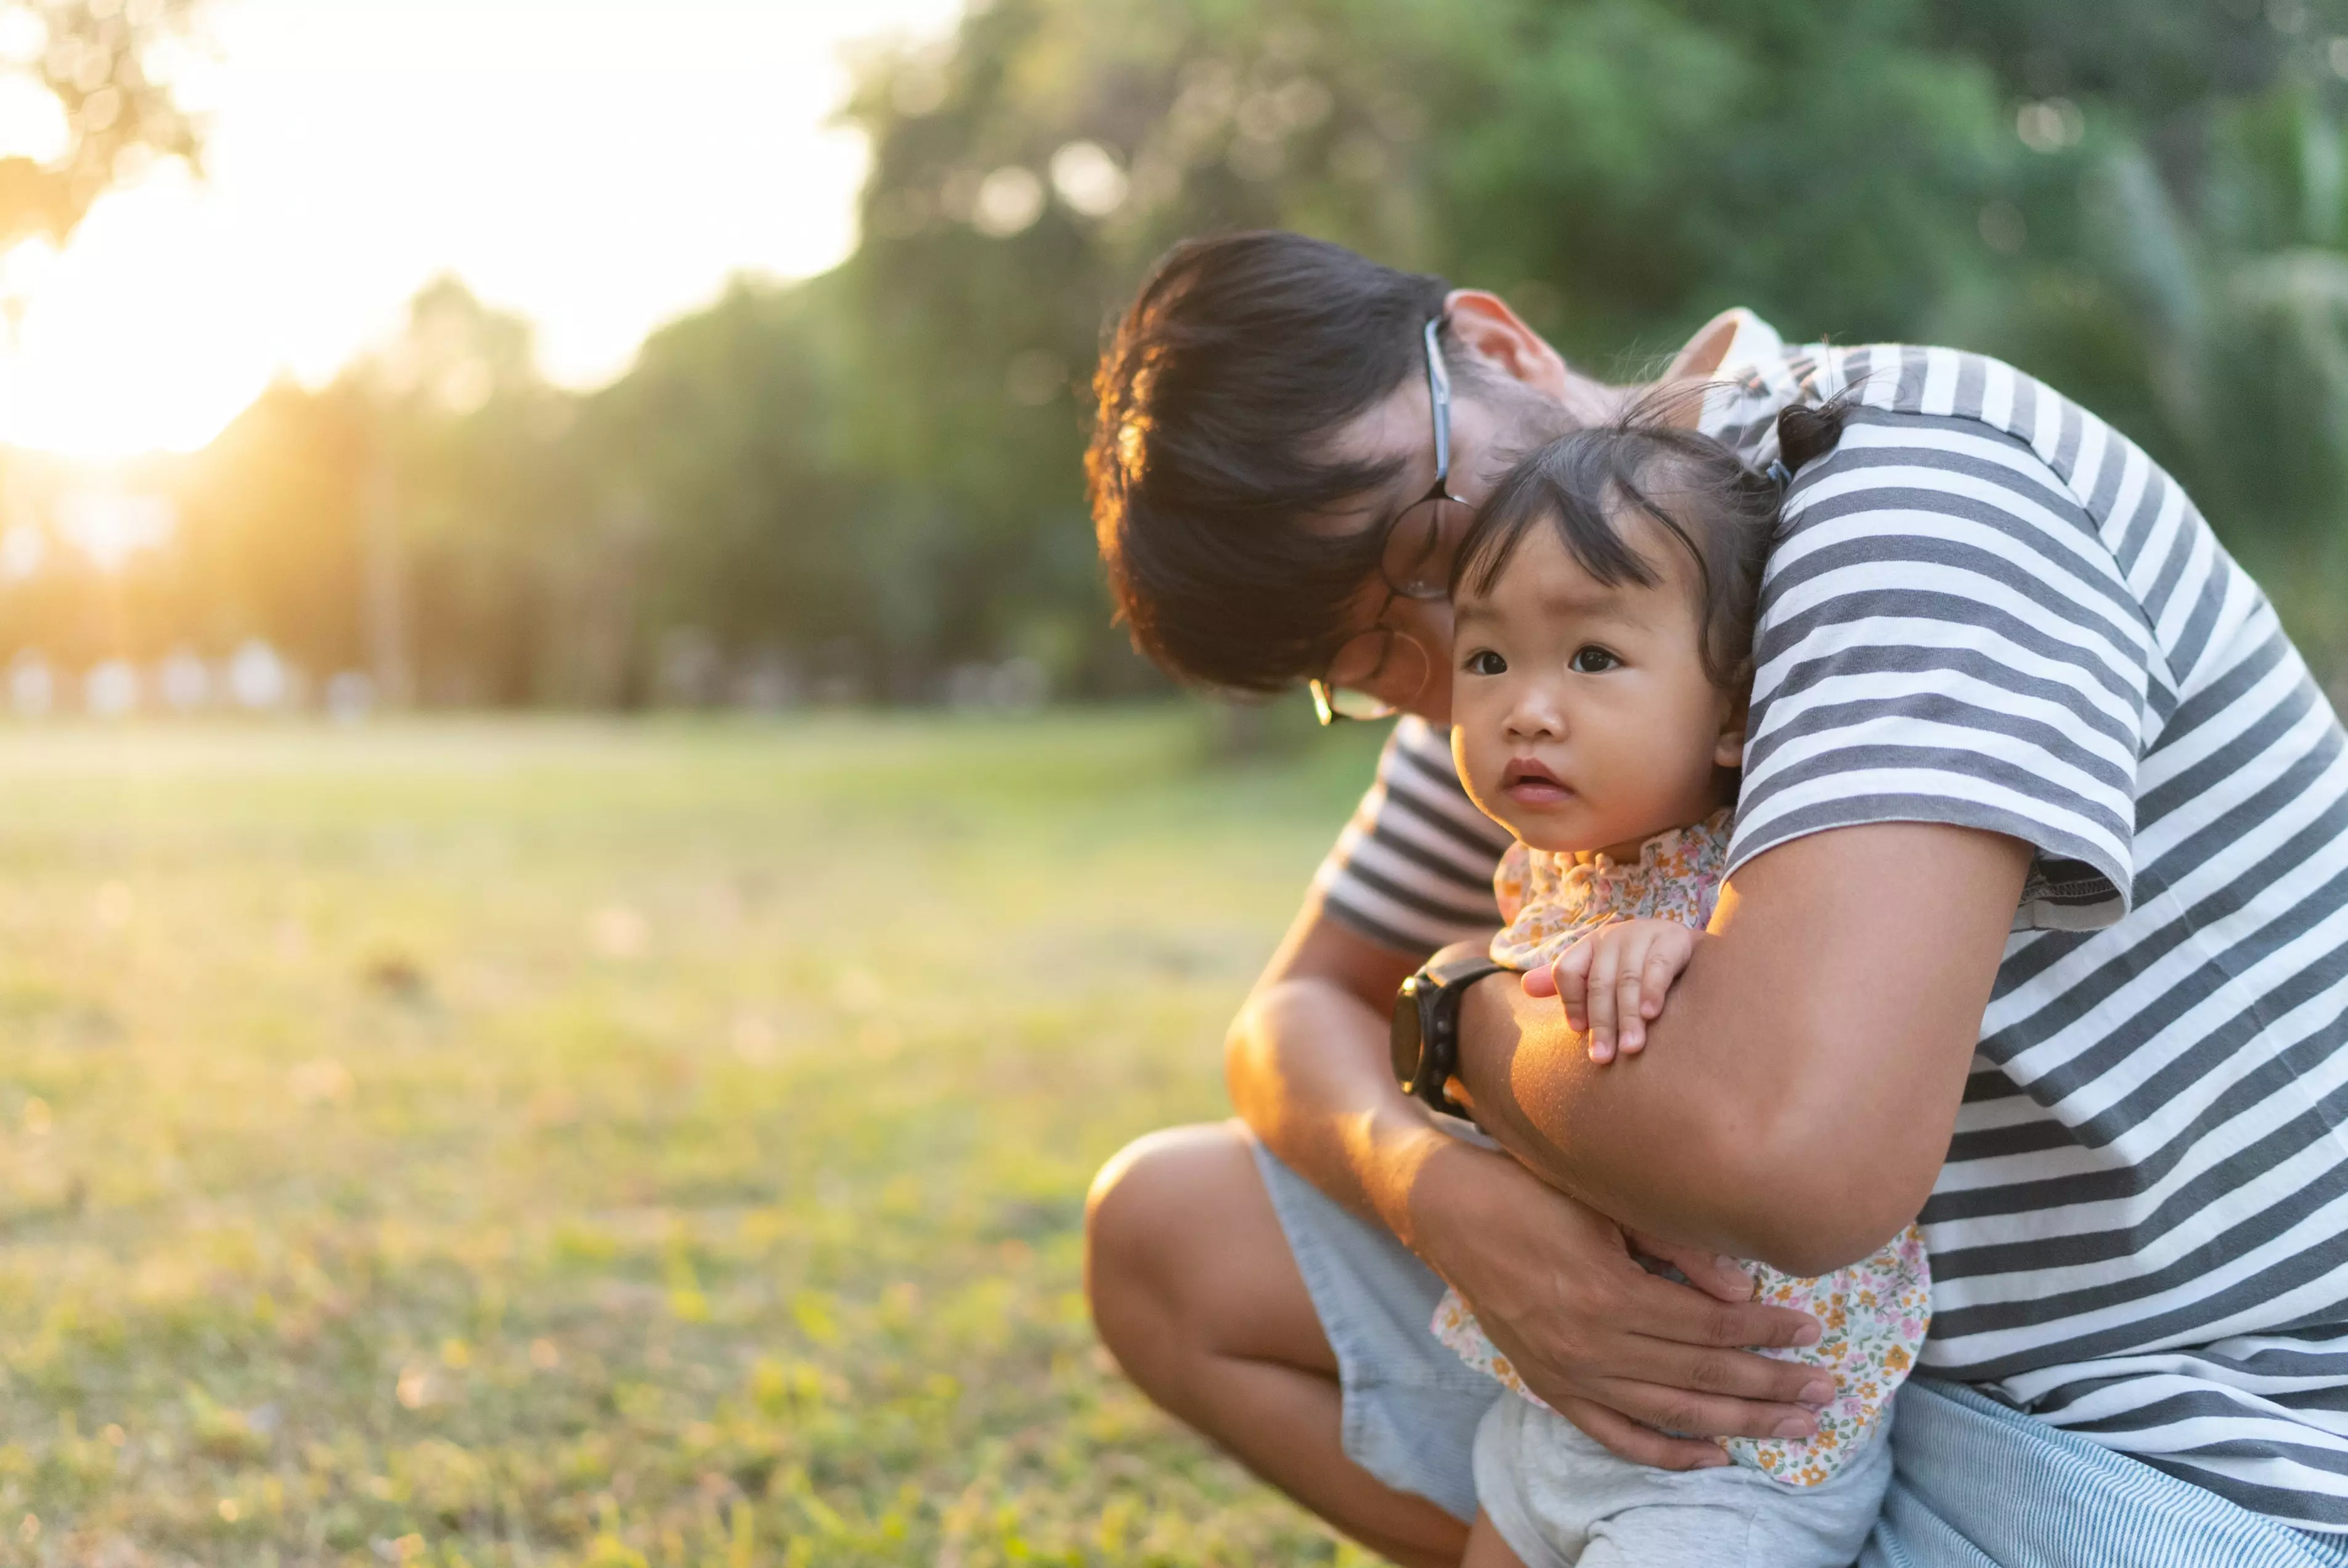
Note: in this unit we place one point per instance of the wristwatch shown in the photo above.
(1425, 1033)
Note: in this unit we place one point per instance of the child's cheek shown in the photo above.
(1478, 758)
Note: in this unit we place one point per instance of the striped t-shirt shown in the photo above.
(1988, 608)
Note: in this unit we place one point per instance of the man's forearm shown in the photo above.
(1603, 1340)
(1308, 1072)
(1796, 1097)
(1644, 1139)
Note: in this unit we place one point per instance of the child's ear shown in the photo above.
(1728, 748)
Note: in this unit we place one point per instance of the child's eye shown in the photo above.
(1593, 661)
(1484, 661)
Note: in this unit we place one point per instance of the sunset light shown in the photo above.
(597, 166)
(659, 665)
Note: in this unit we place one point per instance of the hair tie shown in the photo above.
(1779, 472)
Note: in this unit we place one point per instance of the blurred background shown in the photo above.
(593, 356)
(631, 1098)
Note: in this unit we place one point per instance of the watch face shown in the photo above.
(1402, 1032)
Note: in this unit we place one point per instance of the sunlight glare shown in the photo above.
(110, 525)
(32, 122)
(599, 166)
(145, 331)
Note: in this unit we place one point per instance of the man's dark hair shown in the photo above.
(1217, 392)
(1723, 512)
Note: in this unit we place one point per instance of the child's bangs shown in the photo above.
(1568, 484)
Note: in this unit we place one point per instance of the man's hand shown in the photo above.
(1613, 979)
(1616, 1350)
(1554, 1283)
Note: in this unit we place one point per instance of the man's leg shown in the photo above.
(1194, 1293)
(1487, 1548)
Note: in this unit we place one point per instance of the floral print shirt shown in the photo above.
(1875, 1312)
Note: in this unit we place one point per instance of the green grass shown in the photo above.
(543, 1143)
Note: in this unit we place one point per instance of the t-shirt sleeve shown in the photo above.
(1945, 638)
(1413, 870)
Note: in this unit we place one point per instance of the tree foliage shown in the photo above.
(97, 61)
(862, 481)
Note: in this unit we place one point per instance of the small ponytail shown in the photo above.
(1805, 434)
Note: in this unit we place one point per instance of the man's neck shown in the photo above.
(1588, 403)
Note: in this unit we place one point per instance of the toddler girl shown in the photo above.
(1605, 600)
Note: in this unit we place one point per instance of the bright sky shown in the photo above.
(599, 165)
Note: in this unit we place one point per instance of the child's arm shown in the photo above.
(1613, 980)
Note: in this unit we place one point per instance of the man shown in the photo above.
(2036, 922)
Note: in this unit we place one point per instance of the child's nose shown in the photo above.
(1534, 717)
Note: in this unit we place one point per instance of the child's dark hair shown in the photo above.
(1722, 510)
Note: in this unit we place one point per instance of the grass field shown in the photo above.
(541, 1144)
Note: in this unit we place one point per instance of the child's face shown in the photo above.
(1583, 718)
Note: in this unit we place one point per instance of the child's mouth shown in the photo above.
(1527, 782)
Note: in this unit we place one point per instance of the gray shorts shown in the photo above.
(1560, 1499)
(1411, 1405)
(1413, 1409)
(1976, 1484)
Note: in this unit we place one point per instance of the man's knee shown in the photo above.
(1148, 1200)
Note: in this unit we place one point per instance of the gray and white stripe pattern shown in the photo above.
(1413, 870)
(1991, 609)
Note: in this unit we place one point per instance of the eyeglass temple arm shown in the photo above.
(1438, 393)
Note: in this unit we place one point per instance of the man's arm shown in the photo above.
(1306, 1063)
(1796, 1099)
(1602, 1340)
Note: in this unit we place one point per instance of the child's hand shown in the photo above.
(1613, 980)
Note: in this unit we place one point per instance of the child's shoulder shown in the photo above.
(1697, 854)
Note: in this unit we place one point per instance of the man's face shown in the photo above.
(1494, 422)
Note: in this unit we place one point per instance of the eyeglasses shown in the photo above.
(1414, 562)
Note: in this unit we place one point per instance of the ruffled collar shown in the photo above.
(1673, 846)
(1671, 865)
(1551, 900)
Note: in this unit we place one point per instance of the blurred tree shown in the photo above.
(871, 479)
(269, 543)
(1619, 167)
(408, 519)
(106, 65)
(2139, 201)
(725, 495)
(1023, 175)
(468, 505)
(1659, 161)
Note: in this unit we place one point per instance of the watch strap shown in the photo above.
(1434, 994)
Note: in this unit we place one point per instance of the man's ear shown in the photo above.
(1728, 748)
(1701, 355)
(1483, 323)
